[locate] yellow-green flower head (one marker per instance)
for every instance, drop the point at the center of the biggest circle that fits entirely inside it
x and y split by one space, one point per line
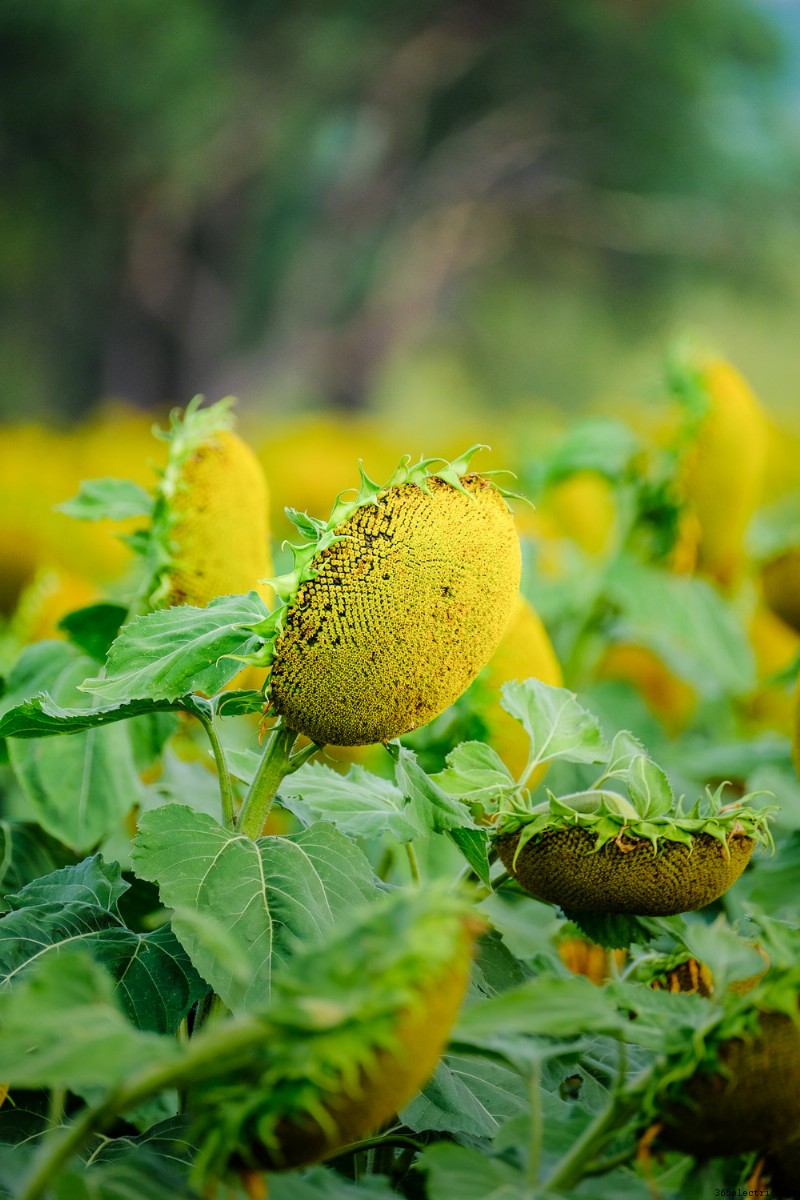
211 516
401 606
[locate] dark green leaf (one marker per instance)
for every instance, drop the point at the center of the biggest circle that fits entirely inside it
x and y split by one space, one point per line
78 906
89 882
78 788
614 931
25 854
93 628
269 892
108 500
473 844
168 654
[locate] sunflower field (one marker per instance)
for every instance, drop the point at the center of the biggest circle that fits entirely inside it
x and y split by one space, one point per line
386 825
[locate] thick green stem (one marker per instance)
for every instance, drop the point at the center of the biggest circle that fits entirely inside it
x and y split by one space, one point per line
224 775
275 765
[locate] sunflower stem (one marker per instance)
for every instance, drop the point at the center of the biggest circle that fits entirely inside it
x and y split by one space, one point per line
275 765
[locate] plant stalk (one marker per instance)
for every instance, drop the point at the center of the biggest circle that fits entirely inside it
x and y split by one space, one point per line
223 774
275 765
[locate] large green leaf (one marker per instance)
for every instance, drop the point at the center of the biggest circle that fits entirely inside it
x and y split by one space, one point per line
687 623
78 788
62 1026
41 717
268 893
77 906
556 723
467 1095
168 654
358 803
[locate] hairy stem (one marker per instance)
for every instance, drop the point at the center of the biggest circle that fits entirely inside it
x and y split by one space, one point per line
275 765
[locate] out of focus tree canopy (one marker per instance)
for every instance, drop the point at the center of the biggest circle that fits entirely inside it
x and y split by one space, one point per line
202 192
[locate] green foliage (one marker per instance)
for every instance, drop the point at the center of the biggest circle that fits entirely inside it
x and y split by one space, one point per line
249 961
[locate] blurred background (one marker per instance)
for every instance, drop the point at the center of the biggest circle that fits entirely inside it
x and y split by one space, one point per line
384 227
359 206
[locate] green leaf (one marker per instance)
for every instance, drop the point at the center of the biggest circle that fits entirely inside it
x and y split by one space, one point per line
467 1095
557 724
605 445
473 844
37 667
78 906
649 787
78 788
170 653
155 1165
41 717
433 807
89 882
322 1184
93 628
270 893
687 623
62 1026
475 771
358 803
545 1007
470 1174
25 854
613 931
108 500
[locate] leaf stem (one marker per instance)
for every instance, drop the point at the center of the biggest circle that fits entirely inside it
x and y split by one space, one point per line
412 862
274 766
223 774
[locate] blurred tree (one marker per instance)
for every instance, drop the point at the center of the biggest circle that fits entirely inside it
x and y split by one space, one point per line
295 188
